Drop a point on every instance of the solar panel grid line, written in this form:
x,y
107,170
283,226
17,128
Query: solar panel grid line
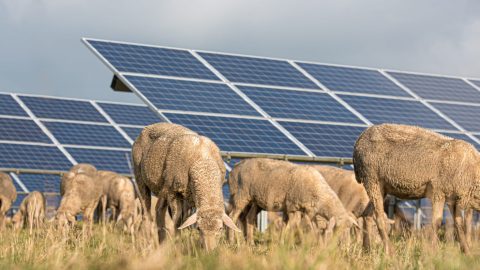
x,y
22,130
371,95
472,84
251,103
155,76
19,182
33,156
280,87
95,147
110,120
26,142
45,130
4,116
333,95
213,114
319,122
475,82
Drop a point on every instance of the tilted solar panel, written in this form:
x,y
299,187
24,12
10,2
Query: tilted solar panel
x,y
85,134
152,60
239,134
325,140
21,130
461,137
32,157
41,182
182,95
132,132
466,116
130,114
299,105
111,160
253,70
18,201
438,88
8,106
64,109
408,112
356,80
476,82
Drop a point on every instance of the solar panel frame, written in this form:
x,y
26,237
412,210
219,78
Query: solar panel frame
x,y
475,82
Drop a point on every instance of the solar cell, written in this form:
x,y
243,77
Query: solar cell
x,y
466,116
299,105
111,160
152,60
438,88
243,69
21,130
191,96
132,132
41,182
238,134
409,112
26,156
354,80
130,114
62,109
85,134
8,106
325,140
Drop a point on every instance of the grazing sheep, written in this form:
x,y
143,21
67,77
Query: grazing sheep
x,y
8,194
413,163
275,185
182,168
32,208
81,194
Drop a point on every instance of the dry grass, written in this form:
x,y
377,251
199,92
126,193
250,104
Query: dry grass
x,y
109,249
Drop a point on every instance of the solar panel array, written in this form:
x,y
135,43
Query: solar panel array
x,y
264,105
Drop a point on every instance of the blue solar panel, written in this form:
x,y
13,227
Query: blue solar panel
x,y
239,135
464,115
103,159
191,96
242,69
132,132
21,130
439,88
409,112
325,140
130,114
299,105
477,83
19,200
32,157
41,182
83,134
152,60
8,106
18,188
354,80
462,137
62,109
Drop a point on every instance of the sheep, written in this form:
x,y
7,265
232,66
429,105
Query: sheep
x,y
182,168
413,163
33,208
275,185
81,193
8,194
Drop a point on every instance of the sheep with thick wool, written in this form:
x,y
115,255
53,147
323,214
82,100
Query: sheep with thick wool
x,y
8,194
31,212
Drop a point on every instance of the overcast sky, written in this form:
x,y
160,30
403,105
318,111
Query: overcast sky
x,y
41,52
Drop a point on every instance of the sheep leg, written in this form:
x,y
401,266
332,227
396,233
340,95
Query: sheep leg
x,y
375,193
103,201
468,226
238,208
161,211
437,216
251,221
458,222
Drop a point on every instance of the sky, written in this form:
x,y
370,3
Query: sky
x,y
41,52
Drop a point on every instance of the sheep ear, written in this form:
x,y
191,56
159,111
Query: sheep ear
x,y
190,221
229,223
331,224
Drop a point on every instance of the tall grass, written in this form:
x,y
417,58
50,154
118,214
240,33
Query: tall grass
x,y
107,248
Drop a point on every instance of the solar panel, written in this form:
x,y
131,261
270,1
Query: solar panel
x,y
191,96
130,114
64,109
243,69
32,157
21,130
438,88
8,106
132,132
41,182
18,188
325,140
85,134
299,105
462,137
409,112
111,160
19,200
239,134
152,60
477,83
466,116
354,80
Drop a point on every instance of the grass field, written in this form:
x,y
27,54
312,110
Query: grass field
x,y
109,249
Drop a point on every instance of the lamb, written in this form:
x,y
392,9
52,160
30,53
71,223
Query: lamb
x,y
275,185
81,194
181,167
8,194
33,208
413,163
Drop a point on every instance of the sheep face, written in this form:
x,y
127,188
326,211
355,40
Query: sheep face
x,y
211,227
